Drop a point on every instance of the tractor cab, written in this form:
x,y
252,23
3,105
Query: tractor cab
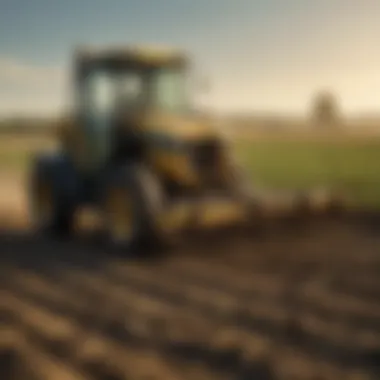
x,y
115,88
135,79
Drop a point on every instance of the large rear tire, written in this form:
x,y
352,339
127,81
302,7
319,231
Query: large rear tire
x,y
51,213
132,206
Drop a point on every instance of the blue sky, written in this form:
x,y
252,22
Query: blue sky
x,y
259,54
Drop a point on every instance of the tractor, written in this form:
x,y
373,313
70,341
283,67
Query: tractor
x,y
135,150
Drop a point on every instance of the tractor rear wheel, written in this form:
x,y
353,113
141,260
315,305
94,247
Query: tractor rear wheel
x,y
50,214
132,204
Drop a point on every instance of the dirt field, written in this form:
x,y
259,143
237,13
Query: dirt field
x,y
299,304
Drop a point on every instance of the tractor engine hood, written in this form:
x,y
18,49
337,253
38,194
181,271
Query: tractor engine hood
x,y
181,128
188,149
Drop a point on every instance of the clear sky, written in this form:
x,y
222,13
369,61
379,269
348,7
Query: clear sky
x,y
258,54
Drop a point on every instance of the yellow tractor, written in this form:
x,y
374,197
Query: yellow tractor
x,y
137,152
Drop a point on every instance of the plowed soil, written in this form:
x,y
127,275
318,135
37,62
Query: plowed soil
x,y
291,303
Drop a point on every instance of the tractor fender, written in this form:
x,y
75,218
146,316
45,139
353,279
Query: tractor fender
x,y
60,172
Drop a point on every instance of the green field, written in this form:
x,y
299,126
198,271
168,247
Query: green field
x,y
351,164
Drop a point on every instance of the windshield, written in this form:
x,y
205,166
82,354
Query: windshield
x,y
170,90
108,90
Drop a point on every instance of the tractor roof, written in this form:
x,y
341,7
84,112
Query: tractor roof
x,y
132,55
